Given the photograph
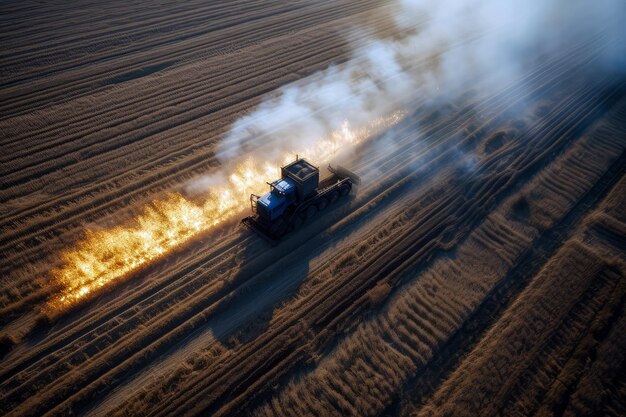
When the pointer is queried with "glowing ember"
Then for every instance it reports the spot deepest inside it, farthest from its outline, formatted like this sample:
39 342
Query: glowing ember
104 256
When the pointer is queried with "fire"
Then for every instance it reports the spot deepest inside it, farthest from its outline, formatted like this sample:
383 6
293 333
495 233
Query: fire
104 256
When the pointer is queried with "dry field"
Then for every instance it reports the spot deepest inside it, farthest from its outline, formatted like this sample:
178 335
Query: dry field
478 269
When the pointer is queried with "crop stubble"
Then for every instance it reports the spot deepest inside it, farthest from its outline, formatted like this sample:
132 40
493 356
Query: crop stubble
412 298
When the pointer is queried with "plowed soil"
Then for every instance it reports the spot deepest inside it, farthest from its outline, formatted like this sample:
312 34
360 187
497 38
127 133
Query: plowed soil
477 270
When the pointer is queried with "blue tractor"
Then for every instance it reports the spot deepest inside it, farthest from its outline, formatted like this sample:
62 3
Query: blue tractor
296 198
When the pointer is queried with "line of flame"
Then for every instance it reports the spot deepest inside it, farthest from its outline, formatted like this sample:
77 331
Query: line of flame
108 255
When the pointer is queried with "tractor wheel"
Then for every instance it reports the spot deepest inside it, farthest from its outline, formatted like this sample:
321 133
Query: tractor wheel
297 221
279 228
322 204
333 196
345 188
310 212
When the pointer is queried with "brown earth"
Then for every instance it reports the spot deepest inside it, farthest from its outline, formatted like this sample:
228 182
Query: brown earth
478 270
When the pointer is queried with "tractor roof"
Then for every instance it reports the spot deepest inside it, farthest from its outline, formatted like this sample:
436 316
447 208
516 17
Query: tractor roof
300 169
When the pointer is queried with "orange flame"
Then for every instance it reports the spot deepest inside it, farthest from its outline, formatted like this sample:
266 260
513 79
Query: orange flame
105 256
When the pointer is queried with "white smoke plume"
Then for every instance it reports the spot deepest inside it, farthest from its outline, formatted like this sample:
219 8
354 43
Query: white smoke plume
437 51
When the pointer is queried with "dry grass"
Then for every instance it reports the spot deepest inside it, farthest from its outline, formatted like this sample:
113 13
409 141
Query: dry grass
113 110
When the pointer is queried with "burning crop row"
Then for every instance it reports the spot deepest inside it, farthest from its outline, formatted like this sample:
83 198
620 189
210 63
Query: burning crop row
107 255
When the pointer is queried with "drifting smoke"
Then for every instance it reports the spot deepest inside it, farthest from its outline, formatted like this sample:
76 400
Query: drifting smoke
438 50
107 255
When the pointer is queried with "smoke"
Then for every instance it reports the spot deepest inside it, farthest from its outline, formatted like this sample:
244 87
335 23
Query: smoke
206 182
437 51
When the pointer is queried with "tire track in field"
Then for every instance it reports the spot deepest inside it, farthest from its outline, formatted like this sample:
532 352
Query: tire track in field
125 190
142 339
547 81
96 373
418 389
161 174
193 50
194 94
324 313
603 183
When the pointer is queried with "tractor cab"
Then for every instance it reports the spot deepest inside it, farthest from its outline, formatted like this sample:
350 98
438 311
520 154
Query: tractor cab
296 198
272 205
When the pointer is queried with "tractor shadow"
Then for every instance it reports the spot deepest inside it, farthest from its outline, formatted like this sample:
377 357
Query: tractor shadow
271 276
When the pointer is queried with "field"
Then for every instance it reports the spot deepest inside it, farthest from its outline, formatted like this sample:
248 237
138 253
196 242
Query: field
479 268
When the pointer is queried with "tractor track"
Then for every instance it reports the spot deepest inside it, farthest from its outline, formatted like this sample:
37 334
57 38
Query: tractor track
420 388
185 335
269 364
96 206
145 312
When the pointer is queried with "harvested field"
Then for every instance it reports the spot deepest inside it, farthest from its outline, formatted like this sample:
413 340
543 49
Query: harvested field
478 269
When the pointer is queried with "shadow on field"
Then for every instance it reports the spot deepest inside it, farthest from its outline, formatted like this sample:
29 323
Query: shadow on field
271 276
245 313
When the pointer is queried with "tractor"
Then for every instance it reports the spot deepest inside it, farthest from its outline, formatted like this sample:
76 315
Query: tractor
296 198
